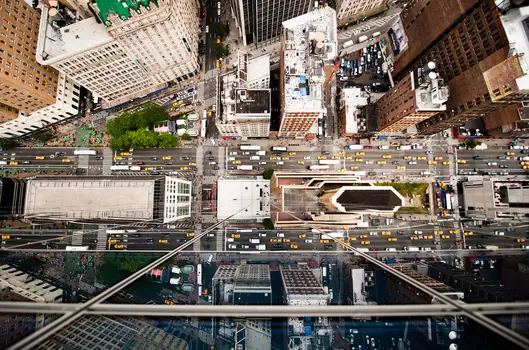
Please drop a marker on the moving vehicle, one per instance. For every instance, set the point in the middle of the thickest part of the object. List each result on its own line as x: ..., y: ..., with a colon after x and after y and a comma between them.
x: 245, y: 167
x: 353, y: 147
x: 349, y: 43
x: 361, y: 39
x: 411, y: 249
x: 250, y: 148
x: 318, y: 167
x: 88, y: 152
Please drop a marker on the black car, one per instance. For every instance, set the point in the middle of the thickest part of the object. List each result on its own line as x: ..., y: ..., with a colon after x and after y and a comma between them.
x: 150, y: 240
x: 401, y: 233
x: 477, y: 158
x: 278, y: 245
x: 485, y: 236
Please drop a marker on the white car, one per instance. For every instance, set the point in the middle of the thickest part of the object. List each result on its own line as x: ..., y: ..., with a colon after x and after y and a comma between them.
x: 207, y: 29
x: 499, y: 233
x: 245, y: 247
x: 233, y: 153
x: 262, y: 163
x: 232, y: 246
x: 417, y: 232
x: 246, y: 153
x: 218, y: 12
x: 492, y: 163
x: 308, y: 241
x: 262, y: 235
x: 412, y: 162
x: 306, y: 158
x: 218, y: 4
x: 282, y: 235
x: 369, y: 162
x: 373, y: 233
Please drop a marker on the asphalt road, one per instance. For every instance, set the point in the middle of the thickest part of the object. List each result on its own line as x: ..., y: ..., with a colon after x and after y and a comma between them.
x: 181, y: 159
x: 212, y: 17
x: 26, y: 158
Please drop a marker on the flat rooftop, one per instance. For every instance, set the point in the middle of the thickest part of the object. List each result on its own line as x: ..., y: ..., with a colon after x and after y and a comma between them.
x: 353, y: 99
x: 518, y: 195
x: 258, y: 68
x: 55, y: 45
x: 90, y: 199
x: 299, y: 279
x: 309, y: 43
x: 252, y: 102
x: 354, y: 198
x: 249, y: 198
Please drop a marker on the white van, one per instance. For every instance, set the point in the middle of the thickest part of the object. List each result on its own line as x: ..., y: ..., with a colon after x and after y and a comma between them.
x: 383, y: 147
x: 254, y: 240
x: 279, y: 234
x: 391, y: 249
x: 280, y: 163
x: 231, y: 159
x: 499, y: 233
x: 230, y: 240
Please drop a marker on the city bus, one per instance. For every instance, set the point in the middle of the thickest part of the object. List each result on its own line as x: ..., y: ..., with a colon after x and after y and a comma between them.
x: 318, y: 167
x: 328, y: 161
x: 88, y: 152
x: 119, y: 167
x: 199, y: 274
x: 71, y: 247
x: 250, y: 148
x: 114, y: 232
x: 280, y: 149
x: 135, y: 168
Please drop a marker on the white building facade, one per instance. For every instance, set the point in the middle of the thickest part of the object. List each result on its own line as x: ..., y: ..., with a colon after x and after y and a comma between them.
x: 352, y: 10
x: 65, y: 106
x: 177, y: 204
x: 27, y: 286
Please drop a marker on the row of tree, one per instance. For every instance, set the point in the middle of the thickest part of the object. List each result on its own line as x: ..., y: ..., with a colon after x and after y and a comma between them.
x: 134, y: 130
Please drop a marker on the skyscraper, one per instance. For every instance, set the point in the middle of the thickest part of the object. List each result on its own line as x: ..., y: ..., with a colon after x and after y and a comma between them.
x: 259, y: 21
x: 129, y: 50
x: 307, y: 60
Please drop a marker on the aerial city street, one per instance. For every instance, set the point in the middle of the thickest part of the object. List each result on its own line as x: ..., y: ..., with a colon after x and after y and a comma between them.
x: 357, y: 169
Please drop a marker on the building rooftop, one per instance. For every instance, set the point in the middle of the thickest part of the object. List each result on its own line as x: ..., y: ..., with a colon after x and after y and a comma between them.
x: 252, y: 103
x: 249, y: 198
x: 353, y: 99
x: 90, y: 198
x: 299, y: 279
x: 309, y: 43
x: 374, y: 198
x: 57, y: 41
x: 431, y: 93
x: 518, y: 195
x: 258, y: 68
x: 121, y: 8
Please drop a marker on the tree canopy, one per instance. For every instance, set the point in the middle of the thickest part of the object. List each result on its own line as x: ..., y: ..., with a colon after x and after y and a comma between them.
x: 267, y: 174
x: 115, y: 267
x: 134, y: 130
x: 221, y: 50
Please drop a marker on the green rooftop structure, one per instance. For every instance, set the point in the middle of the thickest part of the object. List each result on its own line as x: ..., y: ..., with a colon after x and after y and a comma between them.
x: 121, y: 8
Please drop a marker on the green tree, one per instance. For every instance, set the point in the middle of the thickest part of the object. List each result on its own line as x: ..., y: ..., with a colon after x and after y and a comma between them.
x: 268, y: 224
x: 7, y: 143
x: 267, y: 174
x: 186, y: 137
x: 121, y: 124
x: 42, y: 135
x: 221, y: 29
x: 115, y: 267
x: 151, y: 115
x: 472, y: 143
x: 166, y: 140
x: 221, y: 50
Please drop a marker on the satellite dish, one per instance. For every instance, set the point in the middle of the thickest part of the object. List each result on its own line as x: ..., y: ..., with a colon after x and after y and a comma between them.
x: 452, y: 335
x: 453, y: 346
x: 431, y: 65
x: 52, y: 12
x: 432, y: 75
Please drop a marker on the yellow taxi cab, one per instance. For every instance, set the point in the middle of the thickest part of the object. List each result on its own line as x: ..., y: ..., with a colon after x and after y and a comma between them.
x: 343, y: 170
x: 453, y: 232
x: 354, y: 168
x: 217, y: 63
x: 341, y: 239
x: 39, y: 157
x: 520, y: 240
x: 352, y: 238
x: 414, y: 238
x: 218, y: 40
x: 13, y: 163
x: 386, y: 233
x: 273, y: 158
x: 438, y: 158
x: 60, y: 238
x: 183, y: 168
x: 124, y: 154
x: 6, y: 236
x: 359, y: 160
x: 349, y: 158
x: 150, y: 168
x: 190, y: 234
x: 386, y: 156
x: 447, y: 163
x: 344, y: 247
x: 392, y: 239
x: 421, y: 158
x: 335, y: 157
x: 365, y: 242
x: 291, y: 153
x: 322, y: 157
x: 293, y: 246
x: 401, y: 167
x: 461, y: 161
x: 285, y: 158
x: 445, y: 237
x: 524, y: 163
x: 407, y: 157
x: 119, y: 246
x: 381, y: 162
x: 274, y: 240
x: 235, y: 235
x: 360, y: 153
x: 302, y: 235
x: 236, y: 162
x: 301, y: 162
x: 192, y: 164
x: 286, y: 240
x: 163, y: 241
x: 177, y: 103
x: 428, y: 237
x: 525, y: 167
x: 112, y: 241
x: 324, y: 241
x: 118, y: 158
x: 468, y: 233
x: 509, y: 153
x: 167, y: 158
x: 168, y: 302
x: 363, y: 236
x: 210, y: 113
x: 342, y: 152
x: 438, y: 232
x: 66, y: 160
x: 432, y: 162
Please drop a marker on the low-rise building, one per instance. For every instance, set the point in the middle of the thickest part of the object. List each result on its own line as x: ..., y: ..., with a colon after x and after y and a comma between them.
x: 29, y: 287
x: 301, y: 286
x: 348, y: 11
x: 307, y: 63
x: 245, y: 199
x: 349, y: 113
x: 246, y: 284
